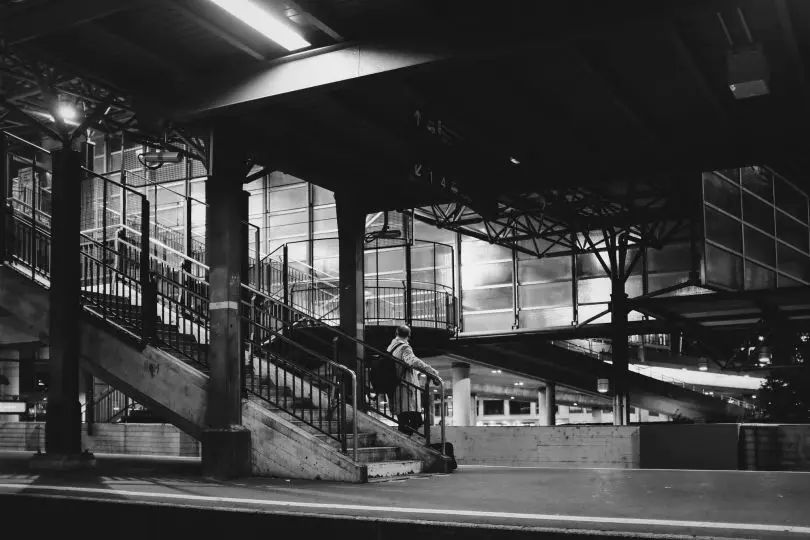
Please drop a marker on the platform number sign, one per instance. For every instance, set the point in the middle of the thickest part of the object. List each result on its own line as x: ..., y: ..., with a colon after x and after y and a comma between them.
x: 432, y: 146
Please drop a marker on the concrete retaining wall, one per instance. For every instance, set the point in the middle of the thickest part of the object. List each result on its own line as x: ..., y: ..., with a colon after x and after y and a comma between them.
x: 131, y: 439
x: 558, y: 446
x: 690, y: 446
x: 784, y: 447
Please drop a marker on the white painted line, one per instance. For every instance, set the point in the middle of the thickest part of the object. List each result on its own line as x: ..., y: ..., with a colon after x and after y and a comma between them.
x: 759, y: 527
x: 626, y: 469
x: 223, y: 305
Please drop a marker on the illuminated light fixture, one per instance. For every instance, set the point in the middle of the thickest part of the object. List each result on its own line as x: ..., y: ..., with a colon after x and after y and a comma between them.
x: 511, y: 397
x: 263, y: 22
x: 703, y: 364
x: 519, y: 383
x: 602, y: 385
x: 576, y: 404
x: 67, y: 112
x: 761, y: 338
x: 496, y: 371
x: 514, y: 161
x: 764, y: 356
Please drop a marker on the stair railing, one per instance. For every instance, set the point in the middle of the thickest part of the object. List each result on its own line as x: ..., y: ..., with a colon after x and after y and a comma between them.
x: 288, y: 321
x: 293, y: 377
x: 110, y: 405
x: 180, y: 294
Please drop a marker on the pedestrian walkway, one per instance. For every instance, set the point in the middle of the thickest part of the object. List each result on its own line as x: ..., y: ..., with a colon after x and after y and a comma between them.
x: 739, y: 504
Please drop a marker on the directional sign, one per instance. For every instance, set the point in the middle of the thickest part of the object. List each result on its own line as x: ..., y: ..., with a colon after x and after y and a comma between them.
x: 13, y: 407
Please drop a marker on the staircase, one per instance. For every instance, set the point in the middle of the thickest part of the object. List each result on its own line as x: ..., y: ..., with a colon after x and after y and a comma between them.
x: 145, y: 329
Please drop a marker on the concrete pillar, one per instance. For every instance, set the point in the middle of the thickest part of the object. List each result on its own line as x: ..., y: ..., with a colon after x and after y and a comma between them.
x: 473, y: 409
x: 462, y: 407
x: 542, y: 407
x: 596, y: 416
x: 480, y: 407
x: 226, y: 443
x: 620, y: 352
x: 10, y: 369
x: 351, y: 221
x: 506, y: 407
x: 63, y: 426
x: 547, y: 405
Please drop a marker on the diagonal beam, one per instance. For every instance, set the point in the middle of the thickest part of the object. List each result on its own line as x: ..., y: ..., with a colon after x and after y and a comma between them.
x: 316, y: 22
x: 22, y: 117
x: 320, y: 68
x: 117, y: 41
x: 688, y: 61
x: 227, y: 36
x: 789, y: 37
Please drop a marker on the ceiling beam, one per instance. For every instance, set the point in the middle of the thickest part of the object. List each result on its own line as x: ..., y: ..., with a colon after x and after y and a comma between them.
x: 329, y: 66
x: 27, y: 24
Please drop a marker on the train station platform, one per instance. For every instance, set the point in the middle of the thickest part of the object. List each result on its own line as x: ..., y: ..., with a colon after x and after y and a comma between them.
x: 475, y: 501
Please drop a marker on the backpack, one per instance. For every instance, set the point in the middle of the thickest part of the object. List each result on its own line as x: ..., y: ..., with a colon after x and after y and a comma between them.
x: 384, y: 376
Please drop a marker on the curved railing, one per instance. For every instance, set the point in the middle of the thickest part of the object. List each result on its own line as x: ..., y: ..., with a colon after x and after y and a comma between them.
x: 389, y: 301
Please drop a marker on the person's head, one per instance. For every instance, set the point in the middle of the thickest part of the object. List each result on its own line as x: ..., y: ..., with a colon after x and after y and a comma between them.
x: 403, y: 332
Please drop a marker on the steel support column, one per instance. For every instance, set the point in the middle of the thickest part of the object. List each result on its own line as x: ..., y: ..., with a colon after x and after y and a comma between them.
x: 226, y: 444
x: 621, y: 397
x: 351, y: 230
x: 63, y: 424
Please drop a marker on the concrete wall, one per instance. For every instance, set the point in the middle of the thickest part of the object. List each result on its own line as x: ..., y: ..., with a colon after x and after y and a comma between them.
x: 775, y: 447
x: 132, y: 439
x: 690, y: 446
x: 540, y: 446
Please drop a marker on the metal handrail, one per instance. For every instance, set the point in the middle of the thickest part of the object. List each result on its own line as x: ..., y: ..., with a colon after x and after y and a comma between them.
x: 28, y: 143
x: 439, y: 382
x: 276, y: 335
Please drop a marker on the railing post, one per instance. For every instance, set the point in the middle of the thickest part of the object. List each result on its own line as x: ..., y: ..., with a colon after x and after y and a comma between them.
x: 258, y: 270
x: 442, y: 421
x: 428, y: 410
x: 148, y: 296
x: 408, y: 287
x: 33, y: 240
x: 189, y: 246
x: 342, y: 389
x: 4, y: 178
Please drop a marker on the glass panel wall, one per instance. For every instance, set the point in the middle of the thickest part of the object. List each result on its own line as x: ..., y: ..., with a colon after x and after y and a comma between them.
x: 756, y: 230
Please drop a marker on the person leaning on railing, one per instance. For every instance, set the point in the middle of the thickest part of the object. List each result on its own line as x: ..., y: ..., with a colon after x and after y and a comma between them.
x: 406, y: 397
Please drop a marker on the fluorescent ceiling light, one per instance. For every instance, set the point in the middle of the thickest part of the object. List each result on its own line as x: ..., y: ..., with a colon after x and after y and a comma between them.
x: 263, y: 22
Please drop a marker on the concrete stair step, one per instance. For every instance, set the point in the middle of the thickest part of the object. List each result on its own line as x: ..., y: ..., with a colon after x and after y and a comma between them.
x: 364, y: 439
x: 380, y: 470
x: 377, y: 454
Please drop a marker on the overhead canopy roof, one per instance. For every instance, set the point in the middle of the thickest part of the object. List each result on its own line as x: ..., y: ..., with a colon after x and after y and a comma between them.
x: 577, y: 91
